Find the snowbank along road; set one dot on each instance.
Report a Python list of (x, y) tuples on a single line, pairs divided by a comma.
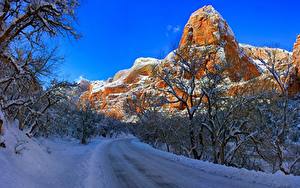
[(121, 163), (134, 167)]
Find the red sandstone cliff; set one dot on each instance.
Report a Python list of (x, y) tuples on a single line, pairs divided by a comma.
[(206, 27)]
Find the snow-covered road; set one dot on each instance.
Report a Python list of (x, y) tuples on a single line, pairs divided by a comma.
[(133, 167), (118, 163)]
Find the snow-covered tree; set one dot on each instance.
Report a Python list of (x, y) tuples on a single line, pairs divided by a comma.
[(25, 55), (282, 153), (182, 75)]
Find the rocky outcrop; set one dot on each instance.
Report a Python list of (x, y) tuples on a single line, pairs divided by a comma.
[(280, 57), (110, 96), (296, 56), (205, 28), (294, 86)]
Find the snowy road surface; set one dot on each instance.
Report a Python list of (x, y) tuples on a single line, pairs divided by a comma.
[(118, 163), (134, 167)]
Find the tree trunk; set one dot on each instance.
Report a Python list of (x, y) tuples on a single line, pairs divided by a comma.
[(2, 144), (193, 140), (214, 147), (1, 127), (222, 154), (83, 140), (168, 147)]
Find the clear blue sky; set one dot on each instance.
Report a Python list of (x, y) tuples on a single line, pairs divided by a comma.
[(116, 32)]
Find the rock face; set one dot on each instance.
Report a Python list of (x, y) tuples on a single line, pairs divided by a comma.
[(294, 87), (110, 96), (296, 55), (205, 28), (281, 57)]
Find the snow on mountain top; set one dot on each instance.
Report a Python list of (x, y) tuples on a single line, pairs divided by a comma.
[(210, 12), (141, 62), (121, 75), (97, 86), (264, 47), (170, 57), (208, 9), (138, 63)]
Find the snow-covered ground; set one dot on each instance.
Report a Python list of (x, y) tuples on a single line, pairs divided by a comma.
[(244, 175), (123, 162), (52, 162)]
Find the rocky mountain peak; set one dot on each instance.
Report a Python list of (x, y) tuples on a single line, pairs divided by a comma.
[(206, 27)]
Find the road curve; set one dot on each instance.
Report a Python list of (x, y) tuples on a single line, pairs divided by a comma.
[(132, 167)]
